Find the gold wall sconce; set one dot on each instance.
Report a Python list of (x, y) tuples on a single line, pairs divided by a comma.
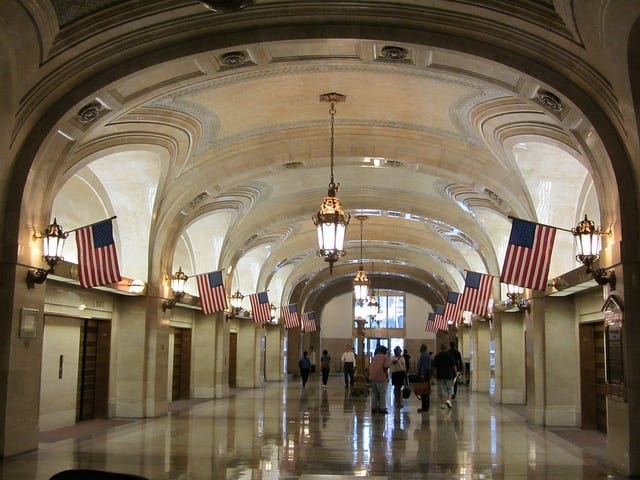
[(588, 245), (178, 284), (53, 239)]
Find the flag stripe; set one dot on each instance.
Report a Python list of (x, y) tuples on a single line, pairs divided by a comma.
[(431, 324), (476, 293), (213, 295), (441, 323), (528, 255), (452, 310), (308, 322), (290, 316), (260, 307), (97, 255)]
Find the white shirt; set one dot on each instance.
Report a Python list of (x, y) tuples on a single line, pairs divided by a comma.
[(348, 357)]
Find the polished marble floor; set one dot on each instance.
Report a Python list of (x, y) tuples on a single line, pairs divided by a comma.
[(286, 432)]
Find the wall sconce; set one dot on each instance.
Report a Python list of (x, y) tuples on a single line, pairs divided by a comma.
[(52, 245), (274, 312), (178, 282), (235, 305), (588, 247), (515, 296)]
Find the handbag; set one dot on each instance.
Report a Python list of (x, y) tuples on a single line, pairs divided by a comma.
[(422, 388), (406, 389)]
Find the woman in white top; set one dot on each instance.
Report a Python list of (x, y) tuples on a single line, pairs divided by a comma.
[(398, 371)]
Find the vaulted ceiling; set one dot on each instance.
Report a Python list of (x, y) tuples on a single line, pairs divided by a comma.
[(204, 133)]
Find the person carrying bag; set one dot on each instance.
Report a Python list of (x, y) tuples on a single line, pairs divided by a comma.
[(422, 388), (398, 376)]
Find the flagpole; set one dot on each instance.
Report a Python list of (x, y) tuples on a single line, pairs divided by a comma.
[(480, 273), (212, 271), (543, 224), (92, 224)]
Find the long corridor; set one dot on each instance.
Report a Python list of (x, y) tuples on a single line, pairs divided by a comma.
[(286, 432)]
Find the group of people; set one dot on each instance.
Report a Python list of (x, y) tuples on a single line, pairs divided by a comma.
[(447, 364), (307, 365)]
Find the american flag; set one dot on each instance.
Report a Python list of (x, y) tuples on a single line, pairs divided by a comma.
[(528, 256), (213, 295), (97, 255), (308, 322), (452, 312), (476, 293), (290, 316), (438, 318), (431, 324), (260, 307)]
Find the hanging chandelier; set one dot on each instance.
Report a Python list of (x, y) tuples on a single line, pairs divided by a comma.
[(331, 221), (361, 282)]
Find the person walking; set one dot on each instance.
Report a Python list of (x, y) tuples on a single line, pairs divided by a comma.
[(379, 377), (398, 371), (325, 367), (305, 368), (445, 368), (457, 358), (424, 375), (348, 360)]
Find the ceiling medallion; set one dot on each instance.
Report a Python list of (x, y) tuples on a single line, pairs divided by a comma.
[(199, 199), (549, 100), (89, 112), (220, 6), (233, 59), (394, 53)]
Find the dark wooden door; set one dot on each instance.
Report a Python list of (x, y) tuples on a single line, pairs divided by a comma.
[(93, 370), (181, 364), (592, 377), (233, 352)]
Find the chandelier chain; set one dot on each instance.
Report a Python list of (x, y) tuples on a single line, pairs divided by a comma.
[(361, 229), (332, 112)]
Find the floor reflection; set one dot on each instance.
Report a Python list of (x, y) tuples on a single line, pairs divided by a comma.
[(286, 432)]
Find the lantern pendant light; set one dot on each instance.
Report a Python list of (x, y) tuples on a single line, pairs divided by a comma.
[(331, 221), (361, 282)]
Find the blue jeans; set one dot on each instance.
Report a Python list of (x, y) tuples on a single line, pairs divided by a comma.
[(445, 388)]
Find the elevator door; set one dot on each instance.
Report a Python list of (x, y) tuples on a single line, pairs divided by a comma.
[(181, 364), (93, 371), (592, 377)]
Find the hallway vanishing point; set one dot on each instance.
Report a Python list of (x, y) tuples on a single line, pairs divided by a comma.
[(286, 432)]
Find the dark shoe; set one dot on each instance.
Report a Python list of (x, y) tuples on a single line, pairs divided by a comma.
[(383, 411), (423, 410), (453, 397)]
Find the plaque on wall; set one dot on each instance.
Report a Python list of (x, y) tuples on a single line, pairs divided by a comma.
[(614, 352)]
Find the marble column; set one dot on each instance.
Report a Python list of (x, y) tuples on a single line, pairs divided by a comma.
[(509, 345), (481, 378), (204, 353)]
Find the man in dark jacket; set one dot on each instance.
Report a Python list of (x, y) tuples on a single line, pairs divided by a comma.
[(445, 368), (457, 358)]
